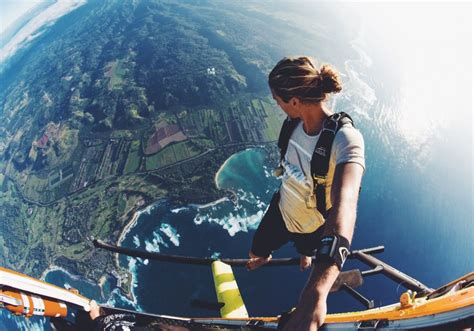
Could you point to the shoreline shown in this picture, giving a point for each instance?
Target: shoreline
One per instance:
(139, 210)
(133, 221)
(228, 160)
(219, 172)
(53, 267)
(210, 204)
(126, 229)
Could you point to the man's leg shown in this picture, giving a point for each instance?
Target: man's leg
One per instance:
(270, 235)
(305, 244)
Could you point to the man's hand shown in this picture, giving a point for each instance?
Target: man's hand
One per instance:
(311, 310)
(307, 318)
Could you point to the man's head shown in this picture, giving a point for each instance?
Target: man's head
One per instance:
(299, 78)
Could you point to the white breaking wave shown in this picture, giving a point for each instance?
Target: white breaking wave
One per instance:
(70, 275)
(116, 294)
(171, 233)
(136, 241)
(242, 218)
(116, 297)
(157, 240)
(154, 245)
(28, 325)
(148, 209)
(210, 204)
(132, 266)
(267, 172)
(178, 210)
(34, 27)
(233, 223)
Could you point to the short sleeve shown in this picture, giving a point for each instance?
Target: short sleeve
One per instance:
(348, 146)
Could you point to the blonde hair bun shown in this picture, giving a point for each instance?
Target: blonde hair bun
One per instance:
(329, 79)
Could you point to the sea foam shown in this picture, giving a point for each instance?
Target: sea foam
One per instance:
(171, 233)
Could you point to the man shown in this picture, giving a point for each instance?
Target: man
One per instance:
(316, 205)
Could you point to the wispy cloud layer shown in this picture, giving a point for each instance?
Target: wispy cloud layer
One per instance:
(35, 26)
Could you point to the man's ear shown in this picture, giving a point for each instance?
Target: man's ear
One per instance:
(294, 101)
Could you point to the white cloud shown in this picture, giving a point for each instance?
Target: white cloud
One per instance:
(32, 29)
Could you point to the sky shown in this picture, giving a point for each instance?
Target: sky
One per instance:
(10, 10)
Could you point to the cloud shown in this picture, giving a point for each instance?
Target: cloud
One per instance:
(35, 26)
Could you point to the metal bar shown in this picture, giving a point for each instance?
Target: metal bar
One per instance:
(188, 259)
(378, 269)
(370, 250)
(369, 304)
(207, 260)
(362, 255)
(392, 273)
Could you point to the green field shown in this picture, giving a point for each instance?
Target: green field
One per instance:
(117, 73)
(35, 187)
(133, 159)
(122, 204)
(177, 152)
(273, 120)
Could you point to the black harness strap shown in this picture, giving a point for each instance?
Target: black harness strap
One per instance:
(289, 125)
(321, 154)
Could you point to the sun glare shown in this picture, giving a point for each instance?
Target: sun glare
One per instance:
(432, 47)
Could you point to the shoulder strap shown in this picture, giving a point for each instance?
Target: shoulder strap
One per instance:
(287, 129)
(321, 155)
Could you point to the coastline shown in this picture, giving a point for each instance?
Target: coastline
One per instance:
(133, 221)
(129, 276)
(221, 168)
(210, 204)
(53, 267)
(129, 226)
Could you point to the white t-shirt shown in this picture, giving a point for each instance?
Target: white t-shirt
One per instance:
(297, 183)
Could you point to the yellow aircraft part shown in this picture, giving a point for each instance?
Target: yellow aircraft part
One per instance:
(227, 291)
(418, 307)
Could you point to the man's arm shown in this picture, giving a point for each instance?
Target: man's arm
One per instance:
(311, 309)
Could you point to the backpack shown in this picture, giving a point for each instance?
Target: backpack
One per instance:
(321, 154)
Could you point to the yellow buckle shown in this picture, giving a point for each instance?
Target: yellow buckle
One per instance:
(320, 180)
